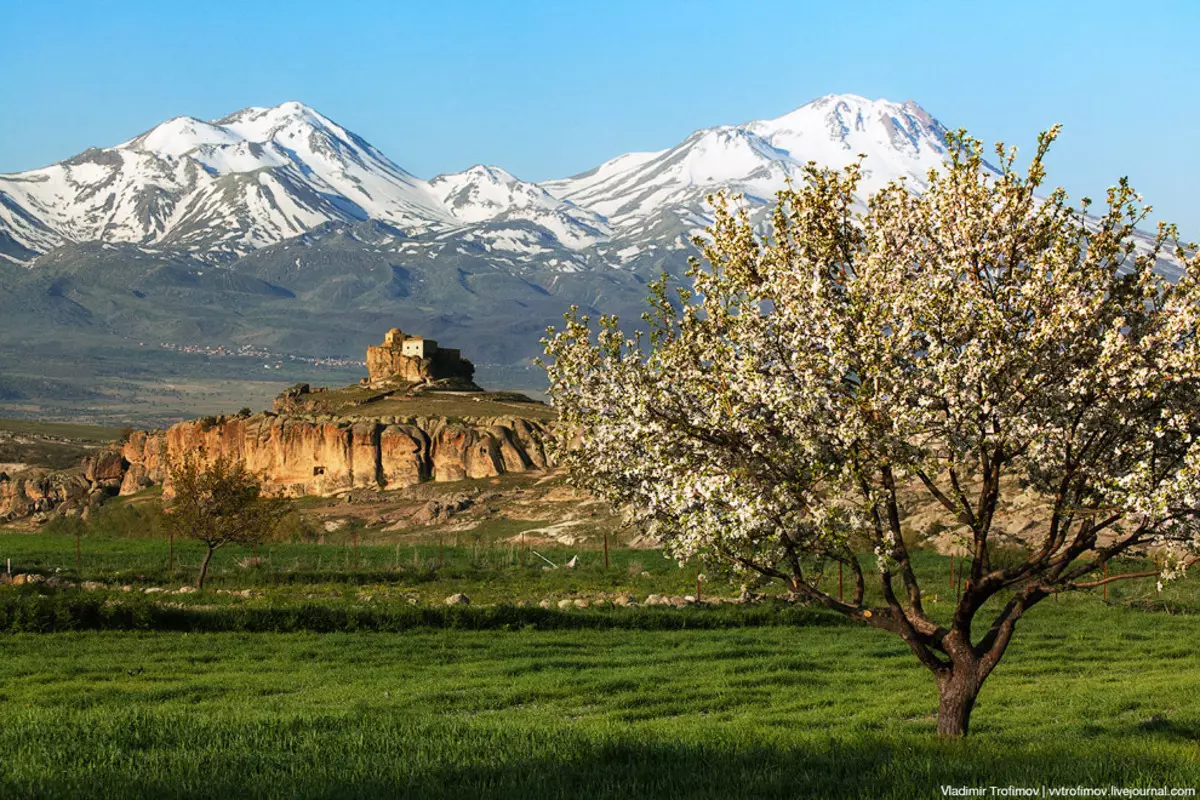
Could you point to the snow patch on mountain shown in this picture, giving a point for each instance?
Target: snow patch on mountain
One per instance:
(486, 193)
(666, 192)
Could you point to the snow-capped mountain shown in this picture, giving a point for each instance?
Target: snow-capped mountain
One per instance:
(483, 194)
(661, 194)
(280, 229)
(221, 189)
(255, 177)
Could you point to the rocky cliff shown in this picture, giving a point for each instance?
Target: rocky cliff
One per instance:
(300, 456)
(294, 456)
(35, 492)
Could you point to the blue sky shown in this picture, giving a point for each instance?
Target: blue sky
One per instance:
(548, 89)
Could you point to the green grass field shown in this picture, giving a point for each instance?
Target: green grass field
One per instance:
(488, 569)
(740, 702)
(771, 712)
(489, 572)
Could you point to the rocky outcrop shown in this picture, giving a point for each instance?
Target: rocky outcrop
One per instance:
(38, 491)
(293, 455)
(42, 492)
(299, 456)
(295, 399)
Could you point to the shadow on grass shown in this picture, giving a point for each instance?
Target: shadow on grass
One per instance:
(27, 610)
(382, 755)
(1162, 727)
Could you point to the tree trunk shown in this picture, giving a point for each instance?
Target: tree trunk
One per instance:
(204, 568)
(957, 690)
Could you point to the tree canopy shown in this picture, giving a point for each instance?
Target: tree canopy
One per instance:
(963, 342)
(220, 503)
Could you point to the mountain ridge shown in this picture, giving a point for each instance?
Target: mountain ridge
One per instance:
(260, 175)
(278, 230)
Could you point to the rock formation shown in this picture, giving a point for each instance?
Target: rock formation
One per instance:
(67, 492)
(294, 456)
(301, 449)
(412, 359)
(302, 456)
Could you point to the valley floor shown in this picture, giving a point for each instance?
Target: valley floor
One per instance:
(777, 711)
(329, 665)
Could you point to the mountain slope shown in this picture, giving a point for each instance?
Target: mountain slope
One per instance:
(278, 230)
(278, 227)
(223, 188)
(262, 175)
(663, 195)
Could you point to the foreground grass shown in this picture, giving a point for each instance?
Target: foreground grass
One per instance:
(768, 712)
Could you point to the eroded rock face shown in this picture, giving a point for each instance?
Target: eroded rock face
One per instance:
(39, 491)
(69, 492)
(300, 456)
(403, 455)
(293, 455)
(105, 469)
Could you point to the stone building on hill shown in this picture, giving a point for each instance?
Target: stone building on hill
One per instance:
(413, 359)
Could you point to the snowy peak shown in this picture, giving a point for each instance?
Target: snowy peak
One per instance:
(849, 119)
(482, 192)
(289, 121)
(296, 127)
(638, 191)
(487, 193)
(262, 124)
(632, 189)
(263, 174)
(719, 155)
(180, 135)
(225, 187)
(898, 139)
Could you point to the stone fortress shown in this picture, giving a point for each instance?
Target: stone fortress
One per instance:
(413, 359)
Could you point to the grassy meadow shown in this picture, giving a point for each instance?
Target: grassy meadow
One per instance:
(778, 711)
(300, 674)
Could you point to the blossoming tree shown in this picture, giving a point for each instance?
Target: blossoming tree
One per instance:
(965, 342)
